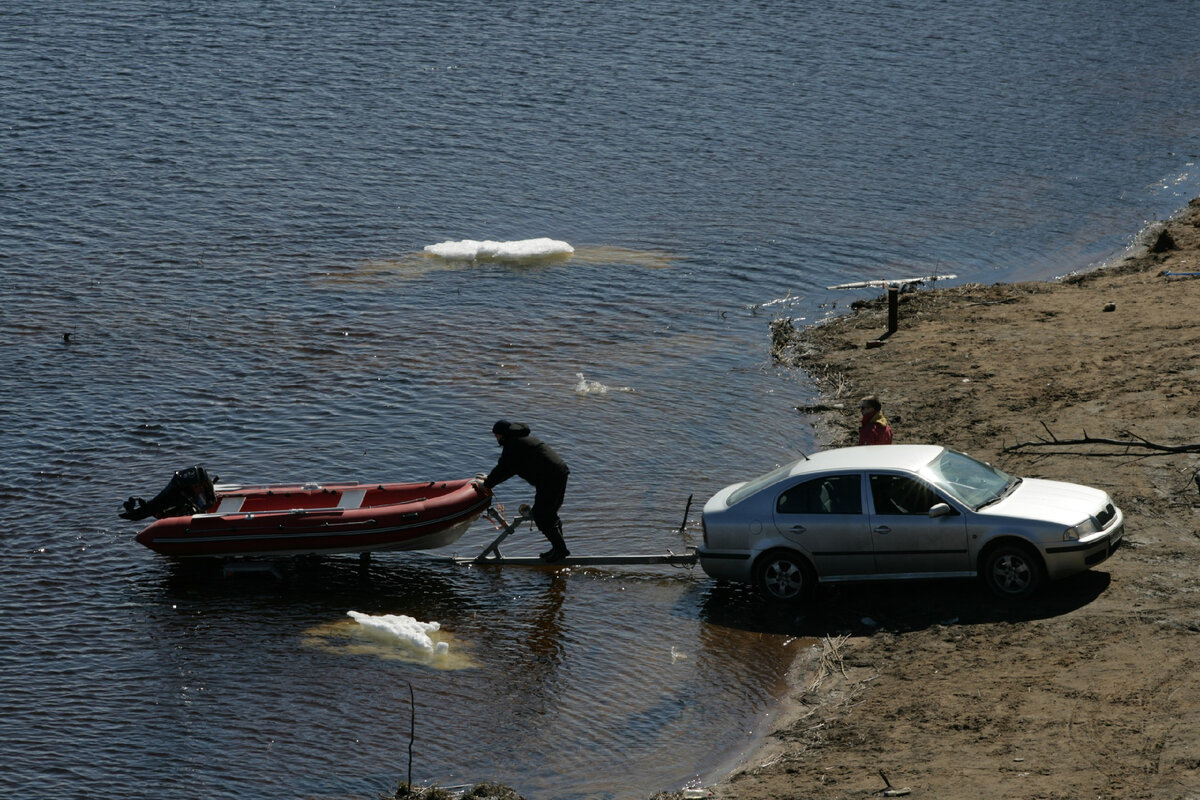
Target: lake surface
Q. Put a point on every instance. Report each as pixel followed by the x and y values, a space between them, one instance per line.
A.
pixel 213 218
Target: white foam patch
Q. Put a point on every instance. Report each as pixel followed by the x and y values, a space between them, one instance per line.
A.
pixel 586 386
pixel 471 250
pixel 787 301
pixel 401 629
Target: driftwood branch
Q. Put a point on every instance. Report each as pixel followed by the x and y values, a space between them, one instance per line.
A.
pixel 1134 442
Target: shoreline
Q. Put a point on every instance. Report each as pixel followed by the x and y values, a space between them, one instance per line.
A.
pixel 931 683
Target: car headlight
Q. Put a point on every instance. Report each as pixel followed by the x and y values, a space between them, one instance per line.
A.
pixel 1075 532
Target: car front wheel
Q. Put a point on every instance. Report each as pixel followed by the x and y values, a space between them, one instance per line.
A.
pixel 783 576
pixel 1013 571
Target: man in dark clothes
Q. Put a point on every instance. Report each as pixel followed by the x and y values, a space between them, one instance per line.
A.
pixel 537 463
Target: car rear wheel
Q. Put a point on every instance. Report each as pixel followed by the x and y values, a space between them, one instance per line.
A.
pixel 783 576
pixel 1013 571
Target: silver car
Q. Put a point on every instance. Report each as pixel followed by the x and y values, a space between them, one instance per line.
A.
pixel 894 512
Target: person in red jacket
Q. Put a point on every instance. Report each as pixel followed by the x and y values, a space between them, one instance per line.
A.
pixel 875 428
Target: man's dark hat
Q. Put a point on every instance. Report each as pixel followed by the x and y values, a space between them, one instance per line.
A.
pixel 501 427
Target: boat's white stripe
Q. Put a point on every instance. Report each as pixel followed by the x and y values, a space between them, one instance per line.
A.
pixel 230 504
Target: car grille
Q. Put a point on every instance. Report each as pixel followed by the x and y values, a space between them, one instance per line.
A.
pixel 1106 516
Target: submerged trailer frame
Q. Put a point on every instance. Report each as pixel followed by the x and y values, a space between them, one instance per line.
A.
pixel 491 554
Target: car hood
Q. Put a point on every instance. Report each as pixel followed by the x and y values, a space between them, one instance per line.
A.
pixel 1054 501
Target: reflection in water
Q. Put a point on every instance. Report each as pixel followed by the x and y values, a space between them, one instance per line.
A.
pixel 740 607
pixel 653 259
pixel 545 638
pixel 418 264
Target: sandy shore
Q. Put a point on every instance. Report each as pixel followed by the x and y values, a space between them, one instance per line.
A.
pixel 1093 689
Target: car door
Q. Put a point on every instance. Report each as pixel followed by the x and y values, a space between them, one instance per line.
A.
pixel 907 540
pixel 824 516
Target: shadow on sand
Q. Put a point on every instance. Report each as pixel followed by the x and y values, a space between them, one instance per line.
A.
pixel 898 607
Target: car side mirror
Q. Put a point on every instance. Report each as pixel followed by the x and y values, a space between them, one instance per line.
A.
pixel 941 510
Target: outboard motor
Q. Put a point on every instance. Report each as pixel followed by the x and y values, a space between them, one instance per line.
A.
pixel 190 491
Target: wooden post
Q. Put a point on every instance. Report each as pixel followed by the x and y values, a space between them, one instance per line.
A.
pixel 893 308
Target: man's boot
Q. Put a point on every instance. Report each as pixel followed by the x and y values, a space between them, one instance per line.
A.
pixel 558 548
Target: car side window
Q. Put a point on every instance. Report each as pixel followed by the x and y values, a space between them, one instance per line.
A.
pixel 898 494
pixel 832 494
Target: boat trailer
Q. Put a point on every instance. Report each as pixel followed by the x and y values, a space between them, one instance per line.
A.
pixel 491 554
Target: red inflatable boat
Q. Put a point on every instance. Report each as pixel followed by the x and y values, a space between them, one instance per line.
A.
pixel 199 519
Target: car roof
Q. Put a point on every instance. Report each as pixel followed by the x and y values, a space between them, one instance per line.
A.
pixel 878 456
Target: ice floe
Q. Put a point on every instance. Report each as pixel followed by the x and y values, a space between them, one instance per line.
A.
pixel 471 250
pixel 401 629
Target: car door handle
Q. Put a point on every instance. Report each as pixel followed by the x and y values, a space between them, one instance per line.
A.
pixel 797 529
pixel 882 529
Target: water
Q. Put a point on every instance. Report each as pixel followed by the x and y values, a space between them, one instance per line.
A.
pixel 225 206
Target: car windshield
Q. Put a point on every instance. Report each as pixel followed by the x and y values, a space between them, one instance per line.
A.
pixel 973 482
pixel 762 481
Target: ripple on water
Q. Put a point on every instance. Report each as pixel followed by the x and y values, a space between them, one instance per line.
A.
pixel 225 209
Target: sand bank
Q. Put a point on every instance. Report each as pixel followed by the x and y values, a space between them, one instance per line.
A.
pixel 1093 689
